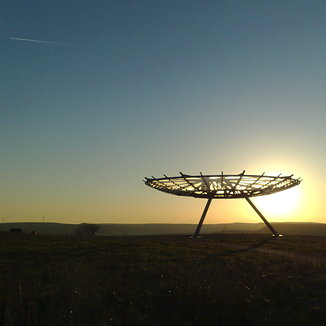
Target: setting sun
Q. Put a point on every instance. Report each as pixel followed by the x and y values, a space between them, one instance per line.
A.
pixel 280 204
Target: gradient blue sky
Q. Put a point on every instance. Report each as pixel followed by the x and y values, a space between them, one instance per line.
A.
pixel 141 88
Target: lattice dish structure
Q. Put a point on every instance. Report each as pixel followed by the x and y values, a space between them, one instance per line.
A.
pixel 224 186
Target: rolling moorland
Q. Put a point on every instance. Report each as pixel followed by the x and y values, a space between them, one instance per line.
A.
pixel 220 279
pixel 312 229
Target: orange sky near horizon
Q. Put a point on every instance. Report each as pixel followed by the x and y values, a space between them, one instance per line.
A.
pixel 298 204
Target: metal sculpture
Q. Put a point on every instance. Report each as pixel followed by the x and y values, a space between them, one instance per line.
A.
pixel 224 186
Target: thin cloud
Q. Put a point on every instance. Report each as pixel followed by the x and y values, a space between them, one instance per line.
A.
pixel 36 41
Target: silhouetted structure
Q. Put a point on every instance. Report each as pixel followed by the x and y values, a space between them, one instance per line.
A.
pixel 223 186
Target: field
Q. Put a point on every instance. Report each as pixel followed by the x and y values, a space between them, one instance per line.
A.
pixel 162 280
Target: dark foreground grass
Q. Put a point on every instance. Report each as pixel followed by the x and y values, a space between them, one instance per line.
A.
pixel 162 280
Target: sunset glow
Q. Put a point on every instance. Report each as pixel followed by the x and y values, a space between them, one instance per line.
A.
pixel 282 204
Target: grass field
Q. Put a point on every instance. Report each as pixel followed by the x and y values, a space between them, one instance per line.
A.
pixel 162 280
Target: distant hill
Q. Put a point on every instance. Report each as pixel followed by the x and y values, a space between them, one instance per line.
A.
pixel 40 228
pixel 133 229
pixel 317 229
pixel 154 229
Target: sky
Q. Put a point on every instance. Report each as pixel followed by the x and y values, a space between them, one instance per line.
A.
pixel 97 95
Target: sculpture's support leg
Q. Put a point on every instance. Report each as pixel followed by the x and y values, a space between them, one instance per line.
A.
pixel 196 234
pixel 275 233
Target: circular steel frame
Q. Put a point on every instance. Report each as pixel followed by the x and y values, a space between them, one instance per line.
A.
pixel 222 185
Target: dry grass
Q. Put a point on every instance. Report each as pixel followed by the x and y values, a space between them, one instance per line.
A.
pixel 162 280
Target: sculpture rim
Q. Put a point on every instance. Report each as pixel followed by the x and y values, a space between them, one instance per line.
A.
pixel 223 186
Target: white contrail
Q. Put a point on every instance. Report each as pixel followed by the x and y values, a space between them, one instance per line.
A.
pixel 31 40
